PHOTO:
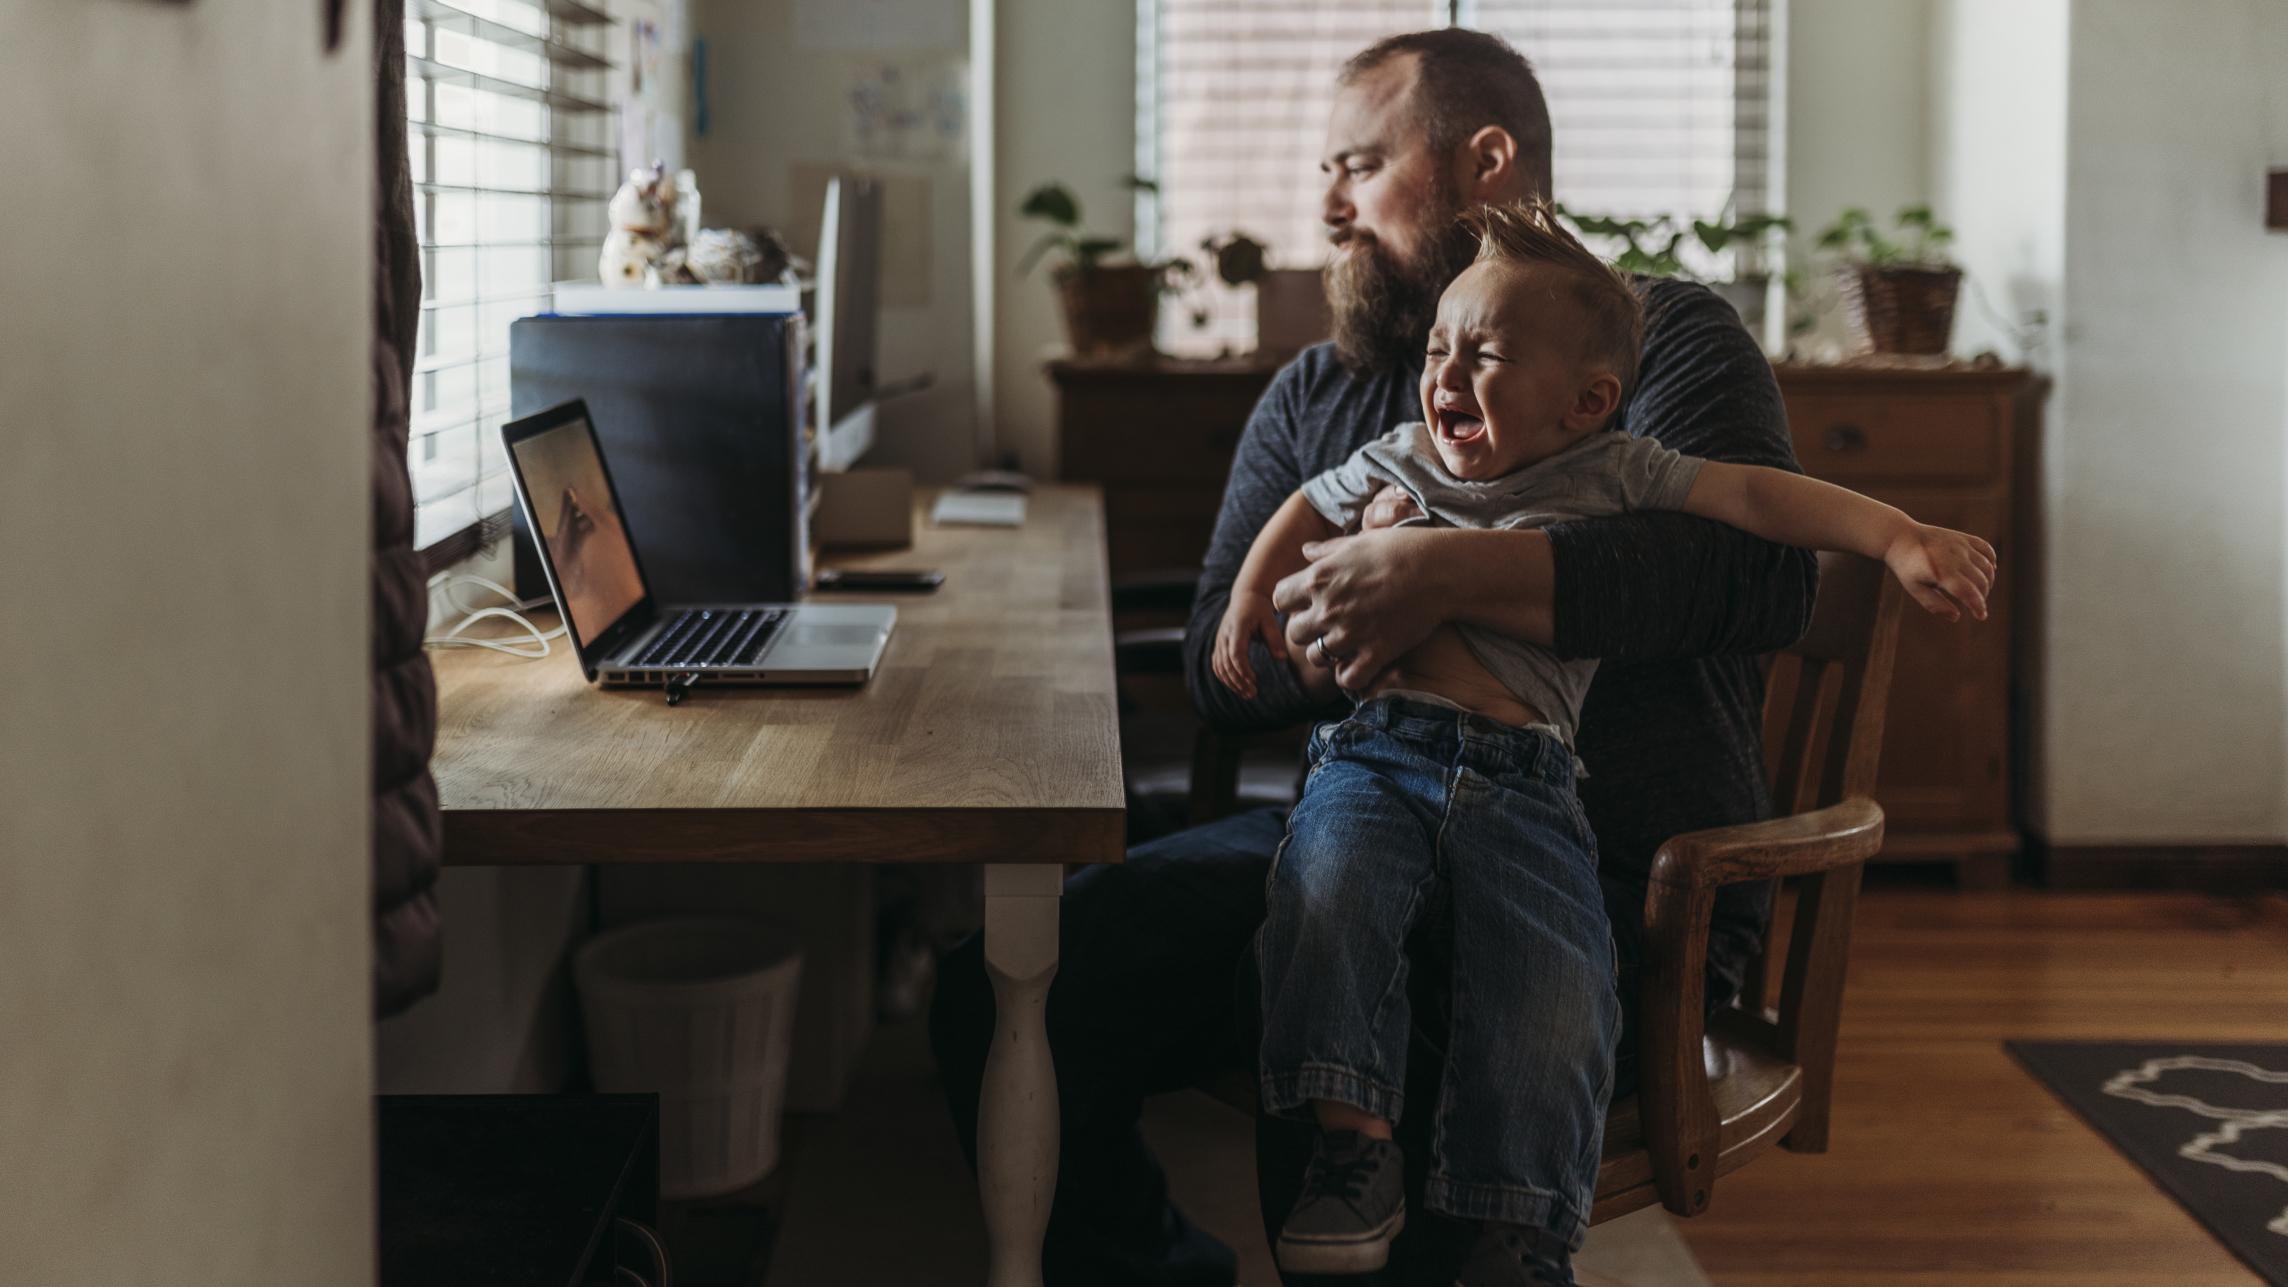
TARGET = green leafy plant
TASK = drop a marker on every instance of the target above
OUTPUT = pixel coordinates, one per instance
(1920, 240)
(1238, 258)
(1653, 247)
(1055, 205)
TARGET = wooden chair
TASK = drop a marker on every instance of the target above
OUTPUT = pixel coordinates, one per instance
(1715, 1093)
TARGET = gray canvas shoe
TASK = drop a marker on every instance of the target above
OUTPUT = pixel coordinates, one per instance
(1353, 1203)
(1507, 1256)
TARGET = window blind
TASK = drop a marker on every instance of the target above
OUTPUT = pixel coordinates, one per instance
(513, 165)
(1233, 99)
(1656, 107)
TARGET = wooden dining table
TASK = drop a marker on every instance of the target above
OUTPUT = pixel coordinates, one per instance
(987, 735)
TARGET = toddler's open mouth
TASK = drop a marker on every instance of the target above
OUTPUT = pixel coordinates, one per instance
(1457, 425)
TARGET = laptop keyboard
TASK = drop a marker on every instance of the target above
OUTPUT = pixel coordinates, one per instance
(712, 637)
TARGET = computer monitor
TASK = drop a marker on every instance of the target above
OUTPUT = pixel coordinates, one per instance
(849, 262)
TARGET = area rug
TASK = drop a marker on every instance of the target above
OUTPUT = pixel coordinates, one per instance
(2209, 1123)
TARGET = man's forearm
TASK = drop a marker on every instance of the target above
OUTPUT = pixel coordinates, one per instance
(1654, 586)
(1502, 581)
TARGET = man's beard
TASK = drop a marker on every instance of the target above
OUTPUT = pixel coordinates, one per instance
(1383, 305)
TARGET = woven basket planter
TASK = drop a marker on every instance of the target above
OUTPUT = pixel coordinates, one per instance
(1901, 310)
(1110, 312)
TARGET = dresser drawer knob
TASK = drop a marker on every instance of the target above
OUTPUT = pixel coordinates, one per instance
(1846, 438)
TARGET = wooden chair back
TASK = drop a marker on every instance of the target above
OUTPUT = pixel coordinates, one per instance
(1833, 687)
(1715, 1093)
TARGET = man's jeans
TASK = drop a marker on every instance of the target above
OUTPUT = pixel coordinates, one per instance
(1420, 818)
(1145, 1001)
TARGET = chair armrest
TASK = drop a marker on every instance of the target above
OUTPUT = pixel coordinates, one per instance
(1681, 1129)
(1157, 650)
(1793, 846)
(1159, 590)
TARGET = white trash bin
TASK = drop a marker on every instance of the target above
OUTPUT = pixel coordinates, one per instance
(700, 1011)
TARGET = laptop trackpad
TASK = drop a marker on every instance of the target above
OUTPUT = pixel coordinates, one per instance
(805, 636)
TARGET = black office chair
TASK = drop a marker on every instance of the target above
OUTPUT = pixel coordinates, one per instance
(1180, 772)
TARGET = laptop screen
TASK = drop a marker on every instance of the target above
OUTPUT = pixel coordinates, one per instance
(575, 515)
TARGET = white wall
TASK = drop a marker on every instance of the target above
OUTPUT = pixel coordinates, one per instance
(1065, 111)
(1998, 167)
(184, 535)
(2104, 161)
(778, 103)
(1857, 117)
(2166, 476)
(1858, 114)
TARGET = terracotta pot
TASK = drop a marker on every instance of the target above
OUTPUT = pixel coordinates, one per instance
(1110, 311)
(1901, 310)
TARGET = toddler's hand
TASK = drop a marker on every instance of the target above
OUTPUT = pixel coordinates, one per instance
(1390, 507)
(1945, 570)
(1249, 616)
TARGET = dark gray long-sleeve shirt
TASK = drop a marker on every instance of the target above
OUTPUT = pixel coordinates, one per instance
(1680, 609)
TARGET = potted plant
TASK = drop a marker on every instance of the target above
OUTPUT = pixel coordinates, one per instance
(1654, 248)
(1111, 307)
(1898, 288)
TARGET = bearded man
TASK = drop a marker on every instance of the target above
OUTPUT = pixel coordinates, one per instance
(1153, 992)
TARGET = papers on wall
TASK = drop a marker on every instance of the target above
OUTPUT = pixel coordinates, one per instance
(906, 109)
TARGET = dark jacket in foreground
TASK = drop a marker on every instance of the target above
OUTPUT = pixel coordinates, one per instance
(407, 830)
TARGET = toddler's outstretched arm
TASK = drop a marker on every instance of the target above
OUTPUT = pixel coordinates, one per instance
(1277, 553)
(1946, 571)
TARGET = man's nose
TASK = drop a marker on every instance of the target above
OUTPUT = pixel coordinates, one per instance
(1335, 209)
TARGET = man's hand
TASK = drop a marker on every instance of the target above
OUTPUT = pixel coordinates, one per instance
(1248, 617)
(1945, 570)
(1390, 507)
(1364, 599)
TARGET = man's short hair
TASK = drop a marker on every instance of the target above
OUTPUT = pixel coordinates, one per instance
(1526, 233)
(1465, 80)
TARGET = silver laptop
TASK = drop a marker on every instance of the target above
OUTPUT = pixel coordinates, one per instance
(621, 635)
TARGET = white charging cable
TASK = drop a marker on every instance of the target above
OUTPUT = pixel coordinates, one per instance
(533, 644)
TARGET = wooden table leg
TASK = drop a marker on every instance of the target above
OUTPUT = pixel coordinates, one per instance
(1017, 1113)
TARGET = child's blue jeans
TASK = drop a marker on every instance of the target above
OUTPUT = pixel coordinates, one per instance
(1416, 816)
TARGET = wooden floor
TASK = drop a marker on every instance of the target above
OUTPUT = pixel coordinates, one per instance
(1951, 1167)
(1949, 1163)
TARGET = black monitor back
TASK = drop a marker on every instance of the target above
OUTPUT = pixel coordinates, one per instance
(700, 418)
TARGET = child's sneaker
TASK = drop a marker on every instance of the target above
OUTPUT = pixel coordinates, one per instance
(1508, 1256)
(1353, 1203)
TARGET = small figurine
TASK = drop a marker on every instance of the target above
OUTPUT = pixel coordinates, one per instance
(645, 229)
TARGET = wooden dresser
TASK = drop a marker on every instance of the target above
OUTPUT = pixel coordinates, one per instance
(1157, 436)
(1953, 447)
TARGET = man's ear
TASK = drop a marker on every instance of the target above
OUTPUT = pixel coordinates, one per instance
(1597, 399)
(1485, 167)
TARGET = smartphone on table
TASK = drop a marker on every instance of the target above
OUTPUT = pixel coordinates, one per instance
(881, 580)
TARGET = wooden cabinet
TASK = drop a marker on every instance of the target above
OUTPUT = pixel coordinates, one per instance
(1157, 436)
(1956, 448)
